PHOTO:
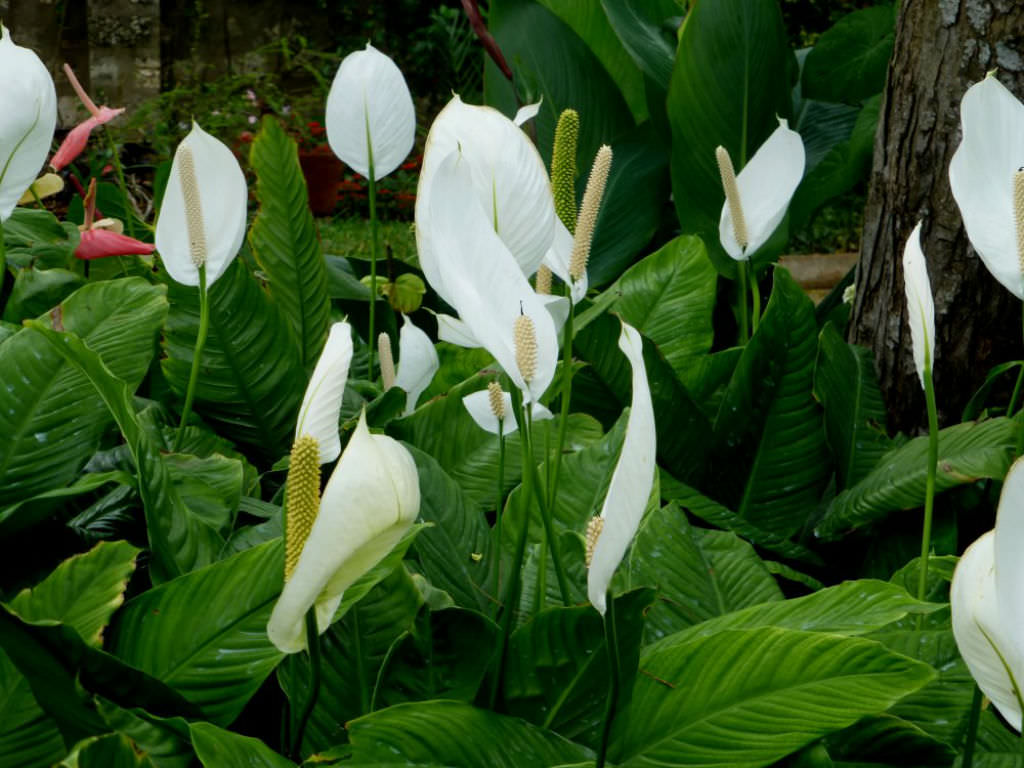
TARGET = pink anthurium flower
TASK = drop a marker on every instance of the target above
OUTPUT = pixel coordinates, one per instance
(98, 243)
(76, 140)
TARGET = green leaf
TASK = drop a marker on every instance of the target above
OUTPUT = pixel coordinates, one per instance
(205, 633)
(847, 386)
(967, 452)
(851, 608)
(211, 487)
(114, 750)
(217, 748)
(769, 444)
(454, 733)
(747, 698)
(179, 540)
(27, 512)
(850, 60)
(669, 297)
(164, 740)
(253, 381)
(699, 573)
(28, 737)
(34, 236)
(730, 82)
(50, 415)
(82, 592)
(556, 669)
(36, 291)
(642, 26)
(888, 741)
(284, 240)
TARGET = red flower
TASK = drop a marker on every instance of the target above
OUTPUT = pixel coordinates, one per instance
(98, 243)
(76, 140)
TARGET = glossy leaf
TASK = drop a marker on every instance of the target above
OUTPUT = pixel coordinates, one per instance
(38, 290)
(218, 748)
(645, 32)
(848, 63)
(27, 734)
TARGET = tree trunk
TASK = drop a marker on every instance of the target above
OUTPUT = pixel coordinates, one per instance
(942, 47)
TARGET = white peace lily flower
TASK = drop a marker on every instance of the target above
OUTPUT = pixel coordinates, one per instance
(632, 479)
(981, 176)
(508, 178)
(479, 406)
(370, 502)
(417, 363)
(490, 294)
(321, 405)
(988, 603)
(370, 106)
(920, 305)
(221, 209)
(28, 116)
(557, 260)
(766, 185)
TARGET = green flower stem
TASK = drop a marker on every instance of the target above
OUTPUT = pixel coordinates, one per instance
(357, 647)
(929, 497)
(371, 341)
(313, 646)
(563, 419)
(197, 355)
(3, 257)
(545, 514)
(499, 507)
(972, 729)
(755, 296)
(129, 217)
(741, 267)
(612, 647)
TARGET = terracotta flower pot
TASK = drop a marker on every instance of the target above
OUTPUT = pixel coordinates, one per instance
(323, 172)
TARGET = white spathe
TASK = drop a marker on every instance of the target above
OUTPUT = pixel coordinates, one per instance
(766, 185)
(981, 177)
(28, 116)
(987, 603)
(557, 260)
(321, 405)
(509, 180)
(479, 406)
(370, 106)
(631, 481)
(488, 293)
(920, 304)
(223, 202)
(370, 502)
(417, 362)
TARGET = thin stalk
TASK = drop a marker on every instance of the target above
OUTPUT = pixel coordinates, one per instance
(929, 498)
(193, 377)
(313, 646)
(545, 514)
(972, 729)
(1015, 397)
(499, 506)
(3, 257)
(612, 646)
(741, 267)
(372, 179)
(755, 296)
(563, 419)
(129, 217)
(357, 647)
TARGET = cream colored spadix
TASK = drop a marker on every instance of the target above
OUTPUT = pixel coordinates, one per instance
(321, 405)
(987, 603)
(28, 116)
(370, 106)
(417, 364)
(631, 482)
(204, 206)
(920, 304)
(371, 500)
(982, 178)
(481, 408)
(764, 187)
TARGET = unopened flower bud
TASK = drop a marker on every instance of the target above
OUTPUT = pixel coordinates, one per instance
(732, 196)
(587, 221)
(525, 335)
(303, 502)
(563, 167)
(387, 361)
(193, 209)
(496, 398)
(542, 283)
(594, 528)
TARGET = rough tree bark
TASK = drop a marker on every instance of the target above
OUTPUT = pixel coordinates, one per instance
(942, 47)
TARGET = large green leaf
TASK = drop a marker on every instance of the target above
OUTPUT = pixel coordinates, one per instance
(284, 239)
(112, 750)
(847, 386)
(849, 61)
(28, 737)
(164, 740)
(83, 591)
(670, 298)
(768, 456)
(38, 290)
(217, 748)
(205, 633)
(252, 377)
(34, 236)
(453, 733)
(851, 608)
(699, 573)
(643, 29)
(746, 698)
(50, 415)
(967, 452)
(179, 540)
(729, 84)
